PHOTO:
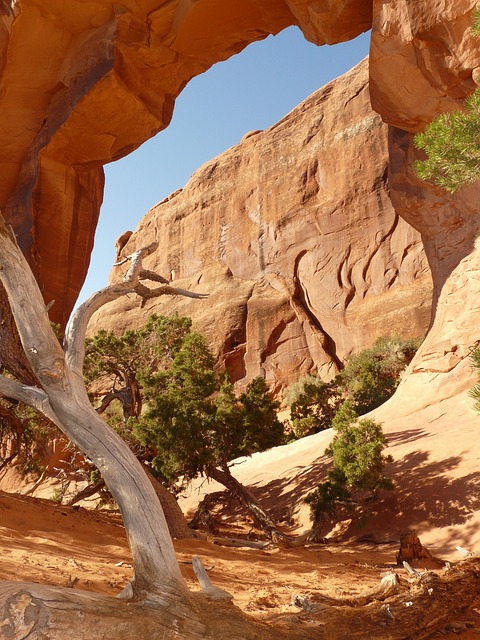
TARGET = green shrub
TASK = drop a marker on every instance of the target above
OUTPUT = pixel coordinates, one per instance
(368, 379)
(314, 408)
(475, 391)
(358, 463)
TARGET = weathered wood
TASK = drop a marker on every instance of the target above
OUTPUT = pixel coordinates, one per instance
(203, 518)
(36, 612)
(64, 400)
(251, 504)
(208, 588)
(12, 356)
(176, 521)
(423, 606)
(88, 491)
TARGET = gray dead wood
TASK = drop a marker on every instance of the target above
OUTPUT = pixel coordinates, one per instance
(208, 588)
(62, 397)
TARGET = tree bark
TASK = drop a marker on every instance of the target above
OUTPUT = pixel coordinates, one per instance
(12, 355)
(261, 517)
(176, 522)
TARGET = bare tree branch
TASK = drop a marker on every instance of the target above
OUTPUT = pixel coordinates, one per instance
(146, 294)
(154, 277)
(75, 334)
(31, 396)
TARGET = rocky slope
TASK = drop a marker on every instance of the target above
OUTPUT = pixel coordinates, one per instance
(293, 235)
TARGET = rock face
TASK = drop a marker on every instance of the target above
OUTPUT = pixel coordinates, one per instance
(97, 80)
(293, 235)
(85, 84)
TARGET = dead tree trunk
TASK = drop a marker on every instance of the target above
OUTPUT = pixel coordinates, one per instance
(176, 521)
(261, 517)
(62, 397)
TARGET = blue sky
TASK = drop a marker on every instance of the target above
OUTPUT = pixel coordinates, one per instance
(252, 90)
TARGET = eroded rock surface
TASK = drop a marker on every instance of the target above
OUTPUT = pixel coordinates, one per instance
(293, 235)
(83, 85)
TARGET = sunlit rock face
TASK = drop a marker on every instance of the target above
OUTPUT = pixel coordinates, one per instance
(293, 235)
(85, 83)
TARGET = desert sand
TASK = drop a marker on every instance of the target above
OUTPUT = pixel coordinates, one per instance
(435, 469)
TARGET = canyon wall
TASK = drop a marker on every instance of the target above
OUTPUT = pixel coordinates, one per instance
(293, 235)
(85, 84)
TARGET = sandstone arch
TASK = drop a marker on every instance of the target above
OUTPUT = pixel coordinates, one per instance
(96, 93)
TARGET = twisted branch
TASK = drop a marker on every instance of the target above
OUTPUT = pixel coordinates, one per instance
(74, 343)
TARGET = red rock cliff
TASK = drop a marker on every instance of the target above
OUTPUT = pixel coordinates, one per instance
(293, 235)
(85, 84)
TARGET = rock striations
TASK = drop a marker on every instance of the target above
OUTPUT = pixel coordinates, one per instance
(293, 235)
(83, 84)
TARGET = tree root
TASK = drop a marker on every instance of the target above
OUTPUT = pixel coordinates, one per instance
(421, 605)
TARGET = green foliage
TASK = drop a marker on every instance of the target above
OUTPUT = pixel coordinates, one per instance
(24, 435)
(57, 495)
(452, 143)
(358, 462)
(476, 22)
(260, 425)
(294, 390)
(179, 421)
(110, 359)
(371, 376)
(192, 419)
(475, 391)
(345, 416)
(314, 408)
(368, 379)
(357, 456)
(326, 497)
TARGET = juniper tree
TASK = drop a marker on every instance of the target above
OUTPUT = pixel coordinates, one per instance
(196, 425)
(452, 143)
(358, 463)
(192, 423)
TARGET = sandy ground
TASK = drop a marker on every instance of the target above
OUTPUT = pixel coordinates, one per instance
(436, 471)
(41, 541)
